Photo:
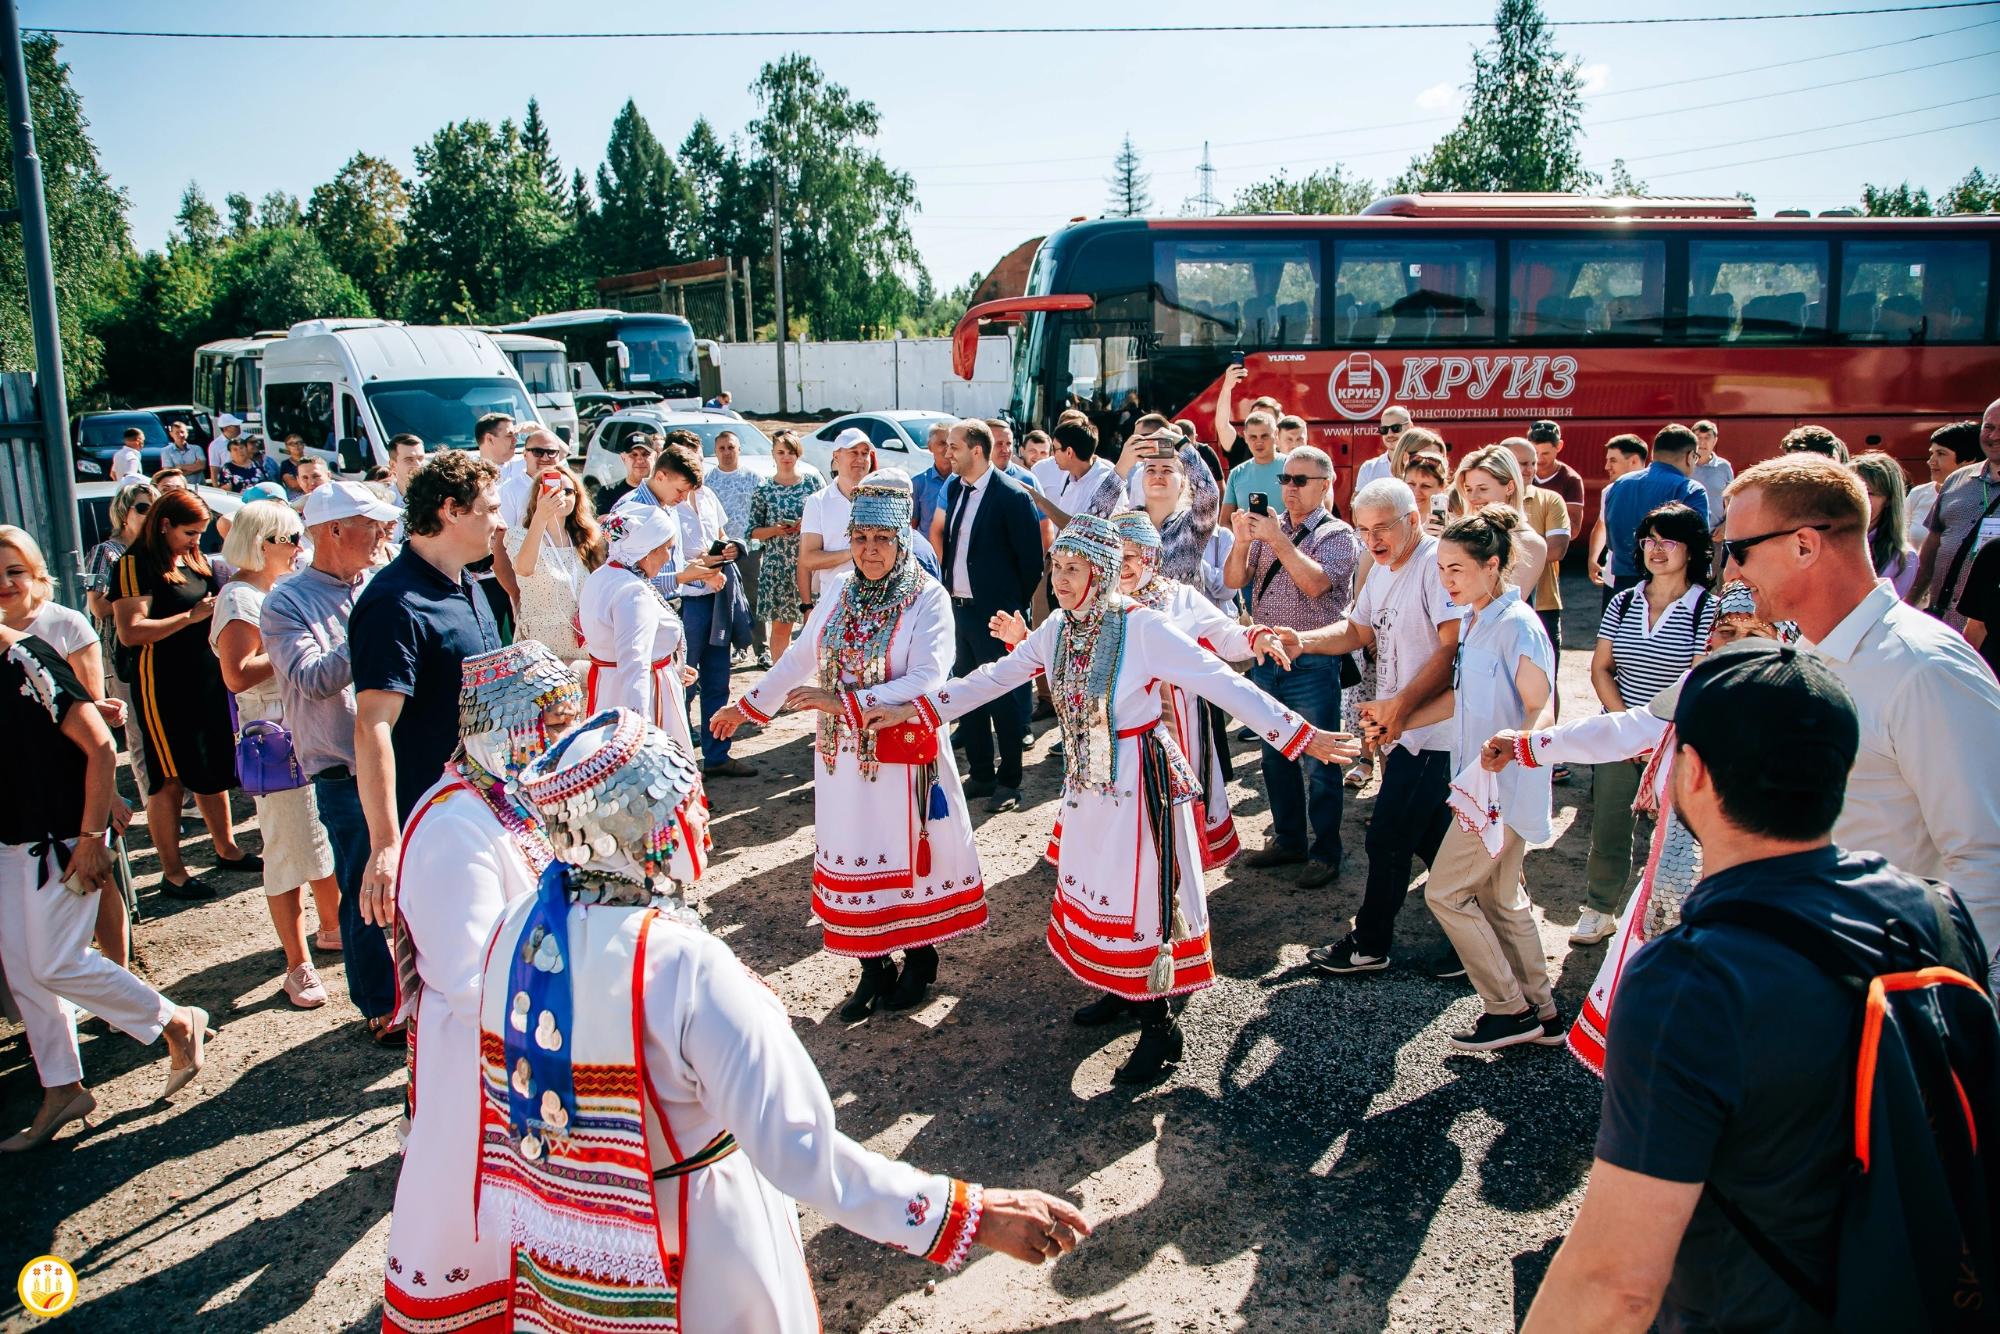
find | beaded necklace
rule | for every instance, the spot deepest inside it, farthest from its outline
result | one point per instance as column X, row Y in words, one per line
column 513, row 814
column 853, row 650
column 1089, row 650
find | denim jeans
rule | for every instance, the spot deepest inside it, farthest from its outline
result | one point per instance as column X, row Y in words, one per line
column 712, row 662
column 371, row 974
column 1305, row 794
column 1409, row 820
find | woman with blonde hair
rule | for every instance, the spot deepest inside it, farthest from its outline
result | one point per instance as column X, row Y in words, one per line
column 163, row 593
column 553, row 552
column 1895, row 559
column 1492, row 476
column 263, row 546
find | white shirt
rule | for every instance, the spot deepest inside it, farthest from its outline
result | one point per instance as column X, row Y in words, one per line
column 218, row 452
column 1917, row 507
column 1071, row 495
column 702, row 520
column 64, row 629
column 960, row 581
column 1371, row 469
column 825, row 513
column 125, row 462
column 1487, row 700
column 1922, row 791
column 1405, row 607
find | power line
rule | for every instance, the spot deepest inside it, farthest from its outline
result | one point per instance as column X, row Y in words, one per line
column 1830, row 148
column 1051, row 30
column 1813, row 129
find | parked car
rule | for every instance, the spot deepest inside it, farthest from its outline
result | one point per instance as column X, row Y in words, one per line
column 93, row 513
column 96, row 436
column 201, row 426
column 594, row 405
column 899, row 434
column 603, row 467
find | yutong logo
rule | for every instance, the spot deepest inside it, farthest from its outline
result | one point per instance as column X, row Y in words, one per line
column 1359, row 387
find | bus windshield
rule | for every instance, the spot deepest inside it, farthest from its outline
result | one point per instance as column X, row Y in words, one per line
column 660, row 357
column 442, row 412
column 542, row 372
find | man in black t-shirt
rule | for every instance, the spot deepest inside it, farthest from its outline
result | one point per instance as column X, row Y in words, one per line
column 1979, row 604
column 1731, row 1055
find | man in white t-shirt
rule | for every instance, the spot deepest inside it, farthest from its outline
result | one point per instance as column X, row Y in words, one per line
column 125, row 460
column 1395, row 420
column 1403, row 611
column 823, row 522
column 228, row 427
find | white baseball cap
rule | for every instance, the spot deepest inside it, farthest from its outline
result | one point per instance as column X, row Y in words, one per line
column 344, row 500
column 852, row 438
column 227, row 420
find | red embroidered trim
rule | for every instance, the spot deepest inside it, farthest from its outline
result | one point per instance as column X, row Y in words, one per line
column 850, row 708
column 960, row 1226
column 1524, row 750
column 752, row 712
column 928, row 711
column 1297, row 745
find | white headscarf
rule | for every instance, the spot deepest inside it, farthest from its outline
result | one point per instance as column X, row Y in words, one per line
column 636, row 532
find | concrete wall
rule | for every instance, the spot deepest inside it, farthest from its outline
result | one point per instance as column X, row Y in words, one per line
column 852, row 377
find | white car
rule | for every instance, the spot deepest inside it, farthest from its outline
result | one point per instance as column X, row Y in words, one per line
column 900, row 436
column 602, row 465
column 93, row 513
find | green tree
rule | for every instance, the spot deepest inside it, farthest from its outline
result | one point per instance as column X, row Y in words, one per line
column 733, row 218
column 242, row 214
column 644, row 203
column 88, row 238
column 197, row 223
column 280, row 209
column 937, row 313
column 1131, row 188
column 1327, row 191
column 1523, row 120
column 357, row 218
column 276, row 277
column 1621, row 182
column 845, row 214
column 541, row 154
column 482, row 239
column 1976, row 193
column 1897, row 201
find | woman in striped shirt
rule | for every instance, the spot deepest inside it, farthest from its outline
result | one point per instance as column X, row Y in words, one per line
column 1650, row 635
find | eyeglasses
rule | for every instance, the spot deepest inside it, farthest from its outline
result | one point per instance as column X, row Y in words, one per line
column 1298, row 478
column 1396, row 429
column 1735, row 547
column 1661, row 544
column 1383, row 530
column 282, row 540
column 543, row 452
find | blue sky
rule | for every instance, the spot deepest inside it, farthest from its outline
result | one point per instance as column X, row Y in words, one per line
column 1010, row 135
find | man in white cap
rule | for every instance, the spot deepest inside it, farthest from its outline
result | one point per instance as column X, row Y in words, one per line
column 823, row 523
column 304, row 624
column 228, row 429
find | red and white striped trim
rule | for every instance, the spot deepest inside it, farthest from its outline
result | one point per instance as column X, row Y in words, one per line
column 752, row 712
column 480, row 1310
column 928, row 711
column 1296, row 747
column 850, row 708
column 960, row 1227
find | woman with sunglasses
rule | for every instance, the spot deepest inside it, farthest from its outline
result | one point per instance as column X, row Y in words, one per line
column 163, row 594
column 1649, row 637
column 553, row 553
column 263, row 546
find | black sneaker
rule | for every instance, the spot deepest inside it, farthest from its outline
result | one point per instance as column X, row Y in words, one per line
column 1494, row 1031
column 975, row 788
column 1446, row 966
column 191, row 890
column 1343, row 956
column 1555, row 1030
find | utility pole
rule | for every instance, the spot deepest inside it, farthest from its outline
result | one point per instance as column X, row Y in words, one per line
column 1205, row 204
column 52, row 399
column 778, row 278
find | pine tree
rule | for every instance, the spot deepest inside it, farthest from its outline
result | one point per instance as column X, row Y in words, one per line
column 1523, row 122
column 535, row 143
column 1131, row 188
column 643, row 200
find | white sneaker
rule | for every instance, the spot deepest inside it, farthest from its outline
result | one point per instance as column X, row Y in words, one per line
column 304, row 988
column 1592, row 927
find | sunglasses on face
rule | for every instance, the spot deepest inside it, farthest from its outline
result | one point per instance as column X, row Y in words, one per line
column 142, row 506
column 541, row 452
column 1736, row 547
column 1396, row 429
column 1298, row 478
column 286, row 540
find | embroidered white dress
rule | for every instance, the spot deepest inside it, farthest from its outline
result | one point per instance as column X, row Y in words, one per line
column 636, row 648
column 1106, row 924
column 460, row 870
column 1222, row 635
column 719, row 1059
column 872, row 891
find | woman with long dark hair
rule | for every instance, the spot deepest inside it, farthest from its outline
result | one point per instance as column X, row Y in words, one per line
column 1650, row 635
column 162, row 595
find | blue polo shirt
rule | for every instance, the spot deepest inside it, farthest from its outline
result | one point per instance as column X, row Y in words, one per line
column 1637, row 495
column 927, row 489
column 1731, row 1061
column 410, row 632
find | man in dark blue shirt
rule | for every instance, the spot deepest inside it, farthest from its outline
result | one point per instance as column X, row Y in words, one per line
column 410, row 631
column 1731, row 1054
column 1669, row 477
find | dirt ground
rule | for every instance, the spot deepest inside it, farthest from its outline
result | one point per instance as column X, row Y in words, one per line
column 1323, row 1161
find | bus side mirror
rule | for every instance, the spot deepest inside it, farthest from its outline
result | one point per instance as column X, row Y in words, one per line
column 353, row 455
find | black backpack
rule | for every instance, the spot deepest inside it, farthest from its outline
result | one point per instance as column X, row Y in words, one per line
column 1915, row 1247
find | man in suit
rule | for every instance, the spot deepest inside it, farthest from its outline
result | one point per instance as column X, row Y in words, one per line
column 992, row 556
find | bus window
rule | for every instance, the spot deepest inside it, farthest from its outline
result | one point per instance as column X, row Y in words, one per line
column 1756, row 291
column 1236, row 293
column 1575, row 291
column 1412, row 291
column 1102, row 371
column 302, row 409
column 1913, row 291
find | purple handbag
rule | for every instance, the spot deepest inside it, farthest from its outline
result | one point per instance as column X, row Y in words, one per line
column 265, row 762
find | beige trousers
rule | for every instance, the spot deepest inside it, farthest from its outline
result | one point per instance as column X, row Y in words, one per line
column 1480, row 903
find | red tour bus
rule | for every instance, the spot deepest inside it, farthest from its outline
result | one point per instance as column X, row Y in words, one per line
column 1481, row 313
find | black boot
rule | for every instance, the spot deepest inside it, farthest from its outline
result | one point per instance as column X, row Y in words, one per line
column 1106, row 1009
column 878, row 979
column 1159, row 1046
column 919, row 971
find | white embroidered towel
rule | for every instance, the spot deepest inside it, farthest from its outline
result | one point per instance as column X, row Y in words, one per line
column 1475, row 803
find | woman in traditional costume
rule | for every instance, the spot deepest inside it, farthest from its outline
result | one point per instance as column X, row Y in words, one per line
column 895, row 867
column 1673, row 864
column 640, row 1153
column 471, row 847
column 1188, row 715
column 637, row 648
column 1130, row 916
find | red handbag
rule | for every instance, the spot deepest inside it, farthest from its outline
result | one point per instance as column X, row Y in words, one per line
column 907, row 743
